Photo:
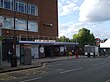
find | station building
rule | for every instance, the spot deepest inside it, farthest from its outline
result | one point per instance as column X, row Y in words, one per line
column 29, row 23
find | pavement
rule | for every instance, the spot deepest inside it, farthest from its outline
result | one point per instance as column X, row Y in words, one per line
column 6, row 67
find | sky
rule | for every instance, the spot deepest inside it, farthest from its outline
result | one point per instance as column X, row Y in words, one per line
column 91, row 14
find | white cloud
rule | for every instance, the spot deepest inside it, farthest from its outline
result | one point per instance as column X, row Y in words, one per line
column 69, row 29
column 66, row 7
column 95, row 10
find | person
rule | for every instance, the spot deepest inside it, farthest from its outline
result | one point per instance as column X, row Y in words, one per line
column 77, row 53
column 72, row 52
column 9, row 55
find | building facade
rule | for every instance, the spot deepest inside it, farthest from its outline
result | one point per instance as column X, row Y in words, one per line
column 27, row 20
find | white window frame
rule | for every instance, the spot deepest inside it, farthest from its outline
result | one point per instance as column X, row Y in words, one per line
column 30, row 9
column 35, row 27
column 27, row 7
column 34, row 10
column 11, row 7
column 18, row 5
column 12, row 22
column 25, row 28
column 2, row 21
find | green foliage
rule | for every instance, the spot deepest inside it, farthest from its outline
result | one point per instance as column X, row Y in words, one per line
column 63, row 39
column 84, row 37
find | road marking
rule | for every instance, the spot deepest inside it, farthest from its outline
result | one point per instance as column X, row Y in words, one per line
column 71, row 70
column 59, row 69
column 49, row 65
column 29, row 80
column 78, row 61
column 98, row 64
column 107, row 60
column 44, row 64
column 58, row 64
column 91, row 59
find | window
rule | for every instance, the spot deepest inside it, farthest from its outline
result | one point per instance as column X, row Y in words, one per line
column 33, row 9
column 1, row 3
column 29, row 9
column 8, row 4
column 21, row 24
column 17, row 4
column 32, row 26
column 1, row 22
column 21, row 7
column 8, row 23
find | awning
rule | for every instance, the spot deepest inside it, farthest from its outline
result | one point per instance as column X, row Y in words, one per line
column 106, row 44
column 47, row 43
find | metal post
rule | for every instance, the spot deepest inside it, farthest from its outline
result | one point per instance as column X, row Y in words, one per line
column 0, row 53
column 1, row 24
column 27, row 22
column 14, row 39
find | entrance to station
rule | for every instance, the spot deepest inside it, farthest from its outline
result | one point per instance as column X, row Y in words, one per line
column 7, row 45
column 52, row 51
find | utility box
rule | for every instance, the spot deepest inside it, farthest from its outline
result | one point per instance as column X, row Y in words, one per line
column 25, row 55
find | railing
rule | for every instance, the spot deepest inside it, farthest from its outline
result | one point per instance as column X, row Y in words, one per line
column 37, row 38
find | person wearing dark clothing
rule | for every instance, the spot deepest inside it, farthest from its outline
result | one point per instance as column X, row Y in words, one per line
column 9, row 56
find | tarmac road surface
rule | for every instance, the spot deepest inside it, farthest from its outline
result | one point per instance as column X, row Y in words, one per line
column 74, row 70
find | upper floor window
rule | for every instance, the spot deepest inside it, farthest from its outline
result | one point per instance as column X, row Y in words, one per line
column 1, row 3
column 20, row 7
column 32, row 9
column 8, row 4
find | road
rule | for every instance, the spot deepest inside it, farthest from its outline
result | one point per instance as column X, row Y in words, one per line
column 74, row 70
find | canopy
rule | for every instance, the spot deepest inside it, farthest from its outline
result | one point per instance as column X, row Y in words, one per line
column 106, row 44
column 47, row 43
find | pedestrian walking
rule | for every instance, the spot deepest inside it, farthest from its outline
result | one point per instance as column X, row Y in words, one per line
column 77, row 53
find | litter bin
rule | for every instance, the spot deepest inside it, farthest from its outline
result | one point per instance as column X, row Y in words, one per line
column 14, row 61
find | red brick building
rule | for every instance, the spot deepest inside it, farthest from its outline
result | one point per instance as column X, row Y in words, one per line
column 28, row 20
column 41, row 16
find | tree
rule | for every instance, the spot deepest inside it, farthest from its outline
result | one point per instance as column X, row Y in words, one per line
column 84, row 37
column 63, row 39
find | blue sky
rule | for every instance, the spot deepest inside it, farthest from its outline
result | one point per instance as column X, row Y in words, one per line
column 91, row 14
